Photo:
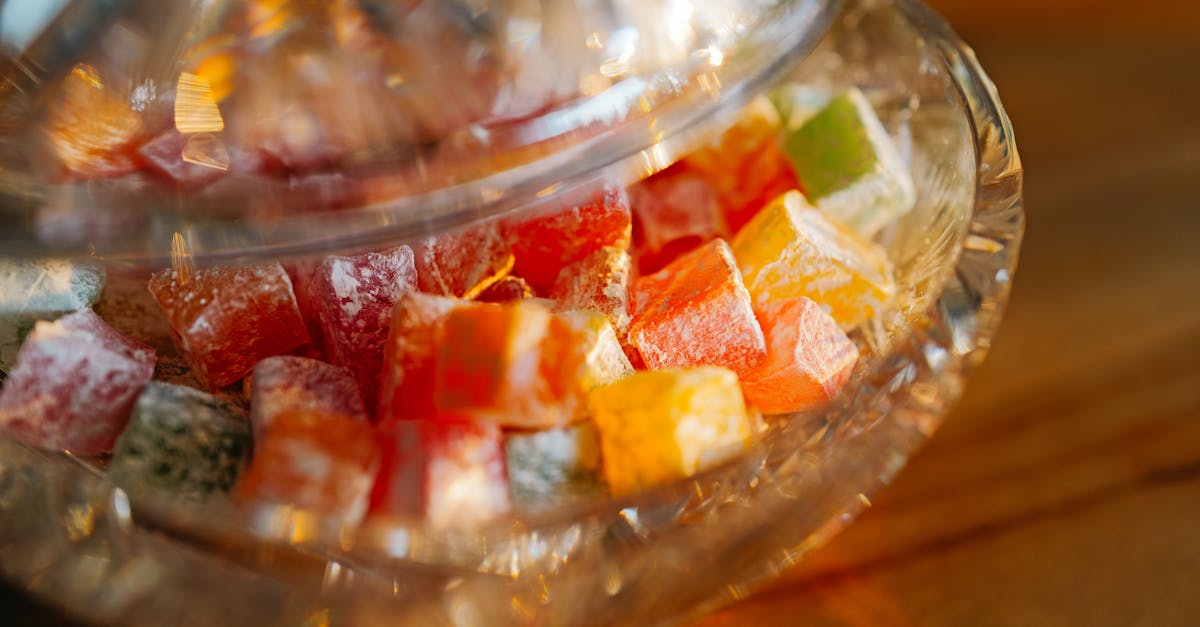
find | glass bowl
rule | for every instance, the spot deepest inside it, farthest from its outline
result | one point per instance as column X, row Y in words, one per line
column 72, row 538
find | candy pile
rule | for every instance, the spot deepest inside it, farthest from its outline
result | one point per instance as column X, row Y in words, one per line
column 606, row 345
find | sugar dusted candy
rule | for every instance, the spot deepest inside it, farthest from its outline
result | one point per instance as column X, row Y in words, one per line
column 598, row 282
column 353, row 297
column 809, row 358
column 288, row 383
column 462, row 263
column 74, row 384
column 407, row 389
column 227, row 319
column 580, row 353
column 659, row 426
column 674, row 211
column 555, row 466
column 448, row 471
column 324, row 463
column 696, row 312
column 849, row 166
column 32, row 290
column 791, row 250
column 181, row 440
column 544, row 241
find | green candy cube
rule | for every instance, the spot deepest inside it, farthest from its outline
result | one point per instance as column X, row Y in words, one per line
column 849, row 166
column 181, row 440
column 549, row 468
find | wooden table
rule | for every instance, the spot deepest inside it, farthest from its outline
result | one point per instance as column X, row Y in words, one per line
column 1065, row 489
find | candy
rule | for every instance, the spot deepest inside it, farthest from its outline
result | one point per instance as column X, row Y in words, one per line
column 41, row 290
column 598, row 282
column 746, row 167
column 183, row 440
column 553, row 467
column 407, row 388
column 545, row 241
column 462, row 263
column 809, row 358
column 74, row 384
column 664, row 425
column 849, row 166
column 227, row 319
column 286, row 384
column 674, row 211
column 519, row 366
column 301, row 273
column 354, row 297
column 168, row 156
column 507, row 289
column 696, row 312
column 319, row 462
column 449, row 471
column 92, row 126
column 791, row 250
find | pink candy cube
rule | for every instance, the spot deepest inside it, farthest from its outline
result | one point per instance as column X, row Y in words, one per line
column 462, row 263
column 74, row 385
column 353, row 297
column 448, row 471
column 600, row 283
column 286, row 383
column 674, row 211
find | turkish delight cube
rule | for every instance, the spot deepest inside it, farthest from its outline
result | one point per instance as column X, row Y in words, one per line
column 288, row 383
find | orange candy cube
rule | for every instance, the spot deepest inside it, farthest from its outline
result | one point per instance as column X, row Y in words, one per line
column 697, row 312
column 406, row 390
column 809, row 358
column 320, row 462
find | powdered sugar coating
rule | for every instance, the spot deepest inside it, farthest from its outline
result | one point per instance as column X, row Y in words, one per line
column 600, row 283
column 287, row 383
column 354, row 297
column 74, row 384
column 462, row 263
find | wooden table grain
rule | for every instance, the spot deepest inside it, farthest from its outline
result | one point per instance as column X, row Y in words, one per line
column 1065, row 488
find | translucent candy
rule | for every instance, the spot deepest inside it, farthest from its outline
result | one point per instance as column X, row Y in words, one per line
column 197, row 160
column 181, row 440
column 696, row 312
column 809, row 358
column 659, row 426
column 598, row 282
column 462, row 263
column 674, row 211
column 507, row 289
column 228, row 319
column 286, row 383
column 449, row 471
column 520, row 366
column 746, row 168
column 41, row 290
column 301, row 273
column 407, row 388
column 353, row 297
column 550, row 468
column 319, row 462
column 849, row 166
column 791, row 250
column 545, row 241
column 74, row 384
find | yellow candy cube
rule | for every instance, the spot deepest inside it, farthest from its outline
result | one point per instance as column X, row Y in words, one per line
column 662, row 425
column 790, row 249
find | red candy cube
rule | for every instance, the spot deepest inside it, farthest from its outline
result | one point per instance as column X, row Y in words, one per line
column 74, row 384
column 353, row 297
column 228, row 319
column 408, row 363
column 674, row 211
column 809, row 358
column 448, row 471
column 285, row 384
column 598, row 282
column 462, row 263
column 545, row 241
column 301, row 273
column 319, row 462
column 696, row 312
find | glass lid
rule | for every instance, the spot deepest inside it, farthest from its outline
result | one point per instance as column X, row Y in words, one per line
column 131, row 129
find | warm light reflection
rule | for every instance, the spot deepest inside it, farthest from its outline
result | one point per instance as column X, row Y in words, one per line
column 196, row 108
column 181, row 258
column 207, row 150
